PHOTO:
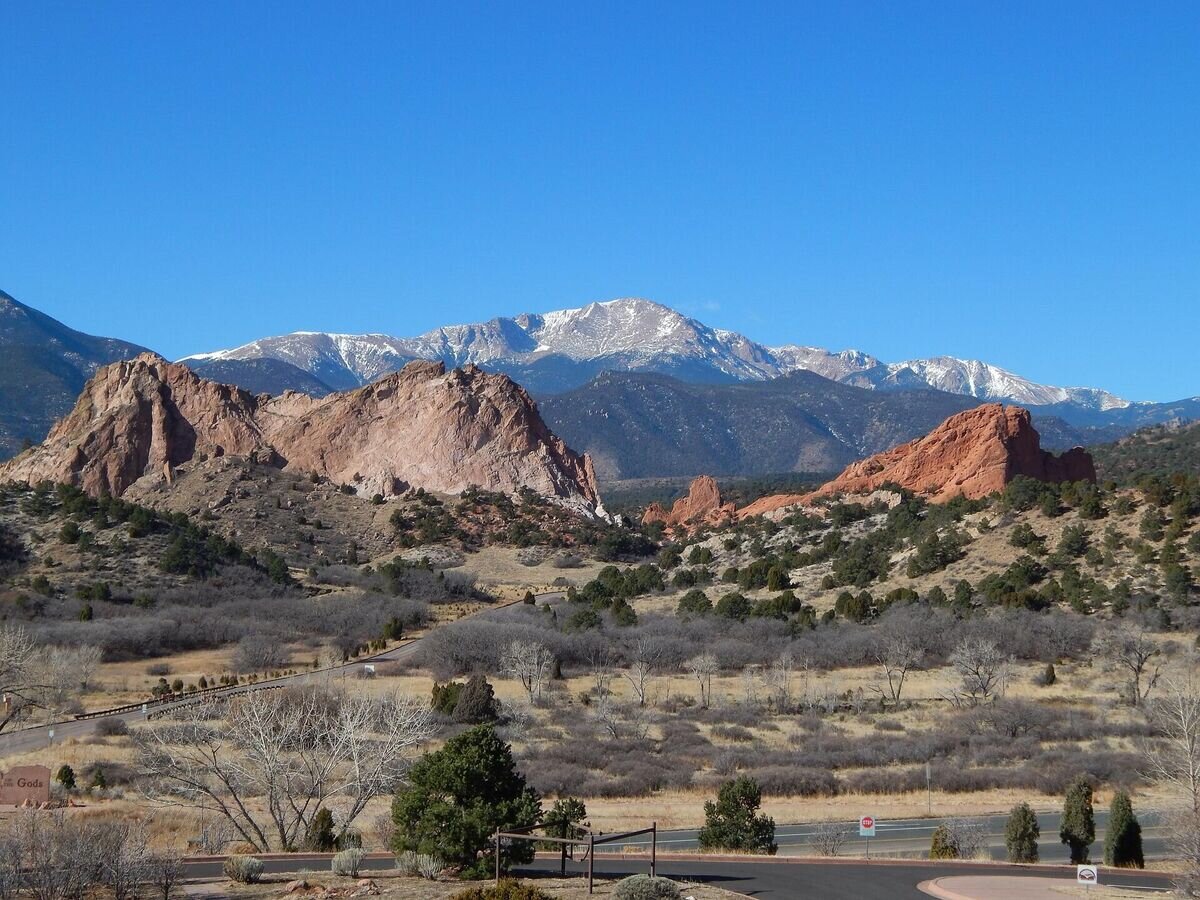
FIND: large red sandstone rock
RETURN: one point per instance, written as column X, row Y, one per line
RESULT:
column 971, row 454
column 419, row 427
column 701, row 506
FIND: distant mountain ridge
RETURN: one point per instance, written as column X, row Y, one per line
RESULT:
column 558, row 351
column 638, row 425
column 43, row 367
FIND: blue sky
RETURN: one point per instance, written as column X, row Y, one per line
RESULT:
column 1016, row 182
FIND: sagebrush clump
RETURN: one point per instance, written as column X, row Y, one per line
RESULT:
column 243, row 869
column 347, row 862
column 646, row 887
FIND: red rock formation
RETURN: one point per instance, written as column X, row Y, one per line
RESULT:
column 701, row 506
column 419, row 427
column 971, row 454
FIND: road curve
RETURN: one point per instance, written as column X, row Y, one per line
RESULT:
column 765, row 877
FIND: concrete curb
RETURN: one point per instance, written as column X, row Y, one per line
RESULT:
column 934, row 889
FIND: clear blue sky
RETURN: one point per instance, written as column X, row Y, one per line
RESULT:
column 1016, row 182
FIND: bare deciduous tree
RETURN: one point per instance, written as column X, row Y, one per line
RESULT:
column 260, row 652
column 828, row 838
column 983, row 668
column 530, row 663
column 269, row 760
column 622, row 721
column 897, row 654
column 56, row 858
column 703, row 668
column 751, row 677
column 121, row 857
column 642, row 665
column 214, row 834
column 1131, row 650
column 1173, row 761
column 164, row 873
column 602, row 665
column 778, row 680
column 20, row 672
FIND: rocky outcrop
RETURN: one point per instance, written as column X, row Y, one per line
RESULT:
column 419, row 427
column 971, row 454
column 702, row 506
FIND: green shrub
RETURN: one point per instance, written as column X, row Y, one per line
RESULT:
column 243, row 869
column 646, row 887
column 507, row 889
column 694, row 603
column 733, row 606
column 942, row 846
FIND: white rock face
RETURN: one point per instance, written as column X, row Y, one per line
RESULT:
column 633, row 334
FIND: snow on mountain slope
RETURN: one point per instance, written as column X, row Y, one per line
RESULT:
column 975, row 378
column 824, row 362
column 635, row 334
column 557, row 351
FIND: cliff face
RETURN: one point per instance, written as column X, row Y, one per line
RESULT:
column 971, row 454
column 419, row 427
column 702, row 506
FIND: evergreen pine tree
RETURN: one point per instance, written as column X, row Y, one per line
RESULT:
column 320, row 837
column 1123, row 842
column 66, row 777
column 1021, row 834
column 732, row 821
column 1078, row 829
column 942, row 846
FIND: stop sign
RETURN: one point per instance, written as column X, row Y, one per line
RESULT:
column 866, row 826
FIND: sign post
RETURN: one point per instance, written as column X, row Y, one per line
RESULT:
column 866, row 829
column 1087, row 876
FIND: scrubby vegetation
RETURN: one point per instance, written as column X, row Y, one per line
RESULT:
column 134, row 582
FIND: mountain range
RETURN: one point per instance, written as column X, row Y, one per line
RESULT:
column 643, row 388
column 557, row 351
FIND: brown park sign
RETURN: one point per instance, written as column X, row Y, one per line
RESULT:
column 25, row 783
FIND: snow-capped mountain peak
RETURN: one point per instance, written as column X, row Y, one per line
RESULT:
column 558, row 350
column 976, row 378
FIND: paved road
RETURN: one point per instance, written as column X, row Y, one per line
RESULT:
column 41, row 736
column 766, row 878
column 910, row 838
